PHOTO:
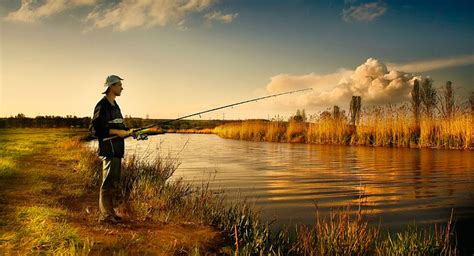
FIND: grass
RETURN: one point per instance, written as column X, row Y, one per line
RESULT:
column 339, row 234
column 418, row 241
column 7, row 167
column 27, row 227
column 45, row 229
column 389, row 126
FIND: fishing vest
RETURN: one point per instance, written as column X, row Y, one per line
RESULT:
column 106, row 117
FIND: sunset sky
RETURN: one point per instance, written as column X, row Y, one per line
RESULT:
column 180, row 57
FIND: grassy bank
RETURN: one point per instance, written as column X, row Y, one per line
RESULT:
column 387, row 127
column 49, row 198
column 48, row 205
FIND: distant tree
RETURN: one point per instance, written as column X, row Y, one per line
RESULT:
column 471, row 101
column 300, row 116
column 336, row 112
column 325, row 115
column 416, row 101
column 354, row 109
column 20, row 116
column 428, row 97
column 447, row 100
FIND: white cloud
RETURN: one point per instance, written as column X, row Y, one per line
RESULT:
column 30, row 11
column 422, row 66
column 218, row 16
column 146, row 13
column 122, row 15
column 364, row 12
column 372, row 80
column 282, row 82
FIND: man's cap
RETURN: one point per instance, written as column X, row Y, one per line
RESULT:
column 110, row 80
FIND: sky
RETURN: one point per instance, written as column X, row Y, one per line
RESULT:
column 181, row 57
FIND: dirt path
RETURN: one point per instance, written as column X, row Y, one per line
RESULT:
column 43, row 180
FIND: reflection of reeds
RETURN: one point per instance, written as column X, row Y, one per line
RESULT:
column 389, row 126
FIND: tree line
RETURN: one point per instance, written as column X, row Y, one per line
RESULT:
column 22, row 121
column 69, row 121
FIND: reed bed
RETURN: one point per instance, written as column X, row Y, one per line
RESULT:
column 388, row 126
column 277, row 131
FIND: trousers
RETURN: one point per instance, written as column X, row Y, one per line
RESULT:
column 110, row 187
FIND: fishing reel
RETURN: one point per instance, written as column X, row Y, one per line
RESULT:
column 139, row 135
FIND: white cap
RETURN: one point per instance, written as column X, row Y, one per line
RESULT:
column 110, row 80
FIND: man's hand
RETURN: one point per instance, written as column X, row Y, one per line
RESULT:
column 140, row 135
column 121, row 133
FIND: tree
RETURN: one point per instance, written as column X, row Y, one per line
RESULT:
column 447, row 100
column 336, row 112
column 416, row 101
column 354, row 109
column 20, row 116
column 325, row 115
column 300, row 116
column 428, row 97
column 471, row 101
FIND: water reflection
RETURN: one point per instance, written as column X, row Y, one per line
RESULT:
column 399, row 186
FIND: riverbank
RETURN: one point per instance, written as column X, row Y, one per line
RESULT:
column 48, row 204
column 49, row 196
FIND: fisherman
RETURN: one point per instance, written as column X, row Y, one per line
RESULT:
column 108, row 122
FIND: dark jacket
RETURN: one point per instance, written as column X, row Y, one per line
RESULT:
column 106, row 117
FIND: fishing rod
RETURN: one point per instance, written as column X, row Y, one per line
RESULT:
column 207, row 111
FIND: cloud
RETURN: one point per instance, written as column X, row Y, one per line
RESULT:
column 422, row 66
column 282, row 82
column 218, row 16
column 364, row 12
column 372, row 80
column 129, row 14
column 122, row 15
column 30, row 11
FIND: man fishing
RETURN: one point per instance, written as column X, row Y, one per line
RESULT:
column 107, row 122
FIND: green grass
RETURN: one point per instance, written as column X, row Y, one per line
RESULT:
column 44, row 230
column 7, row 167
column 39, row 228
column 418, row 241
